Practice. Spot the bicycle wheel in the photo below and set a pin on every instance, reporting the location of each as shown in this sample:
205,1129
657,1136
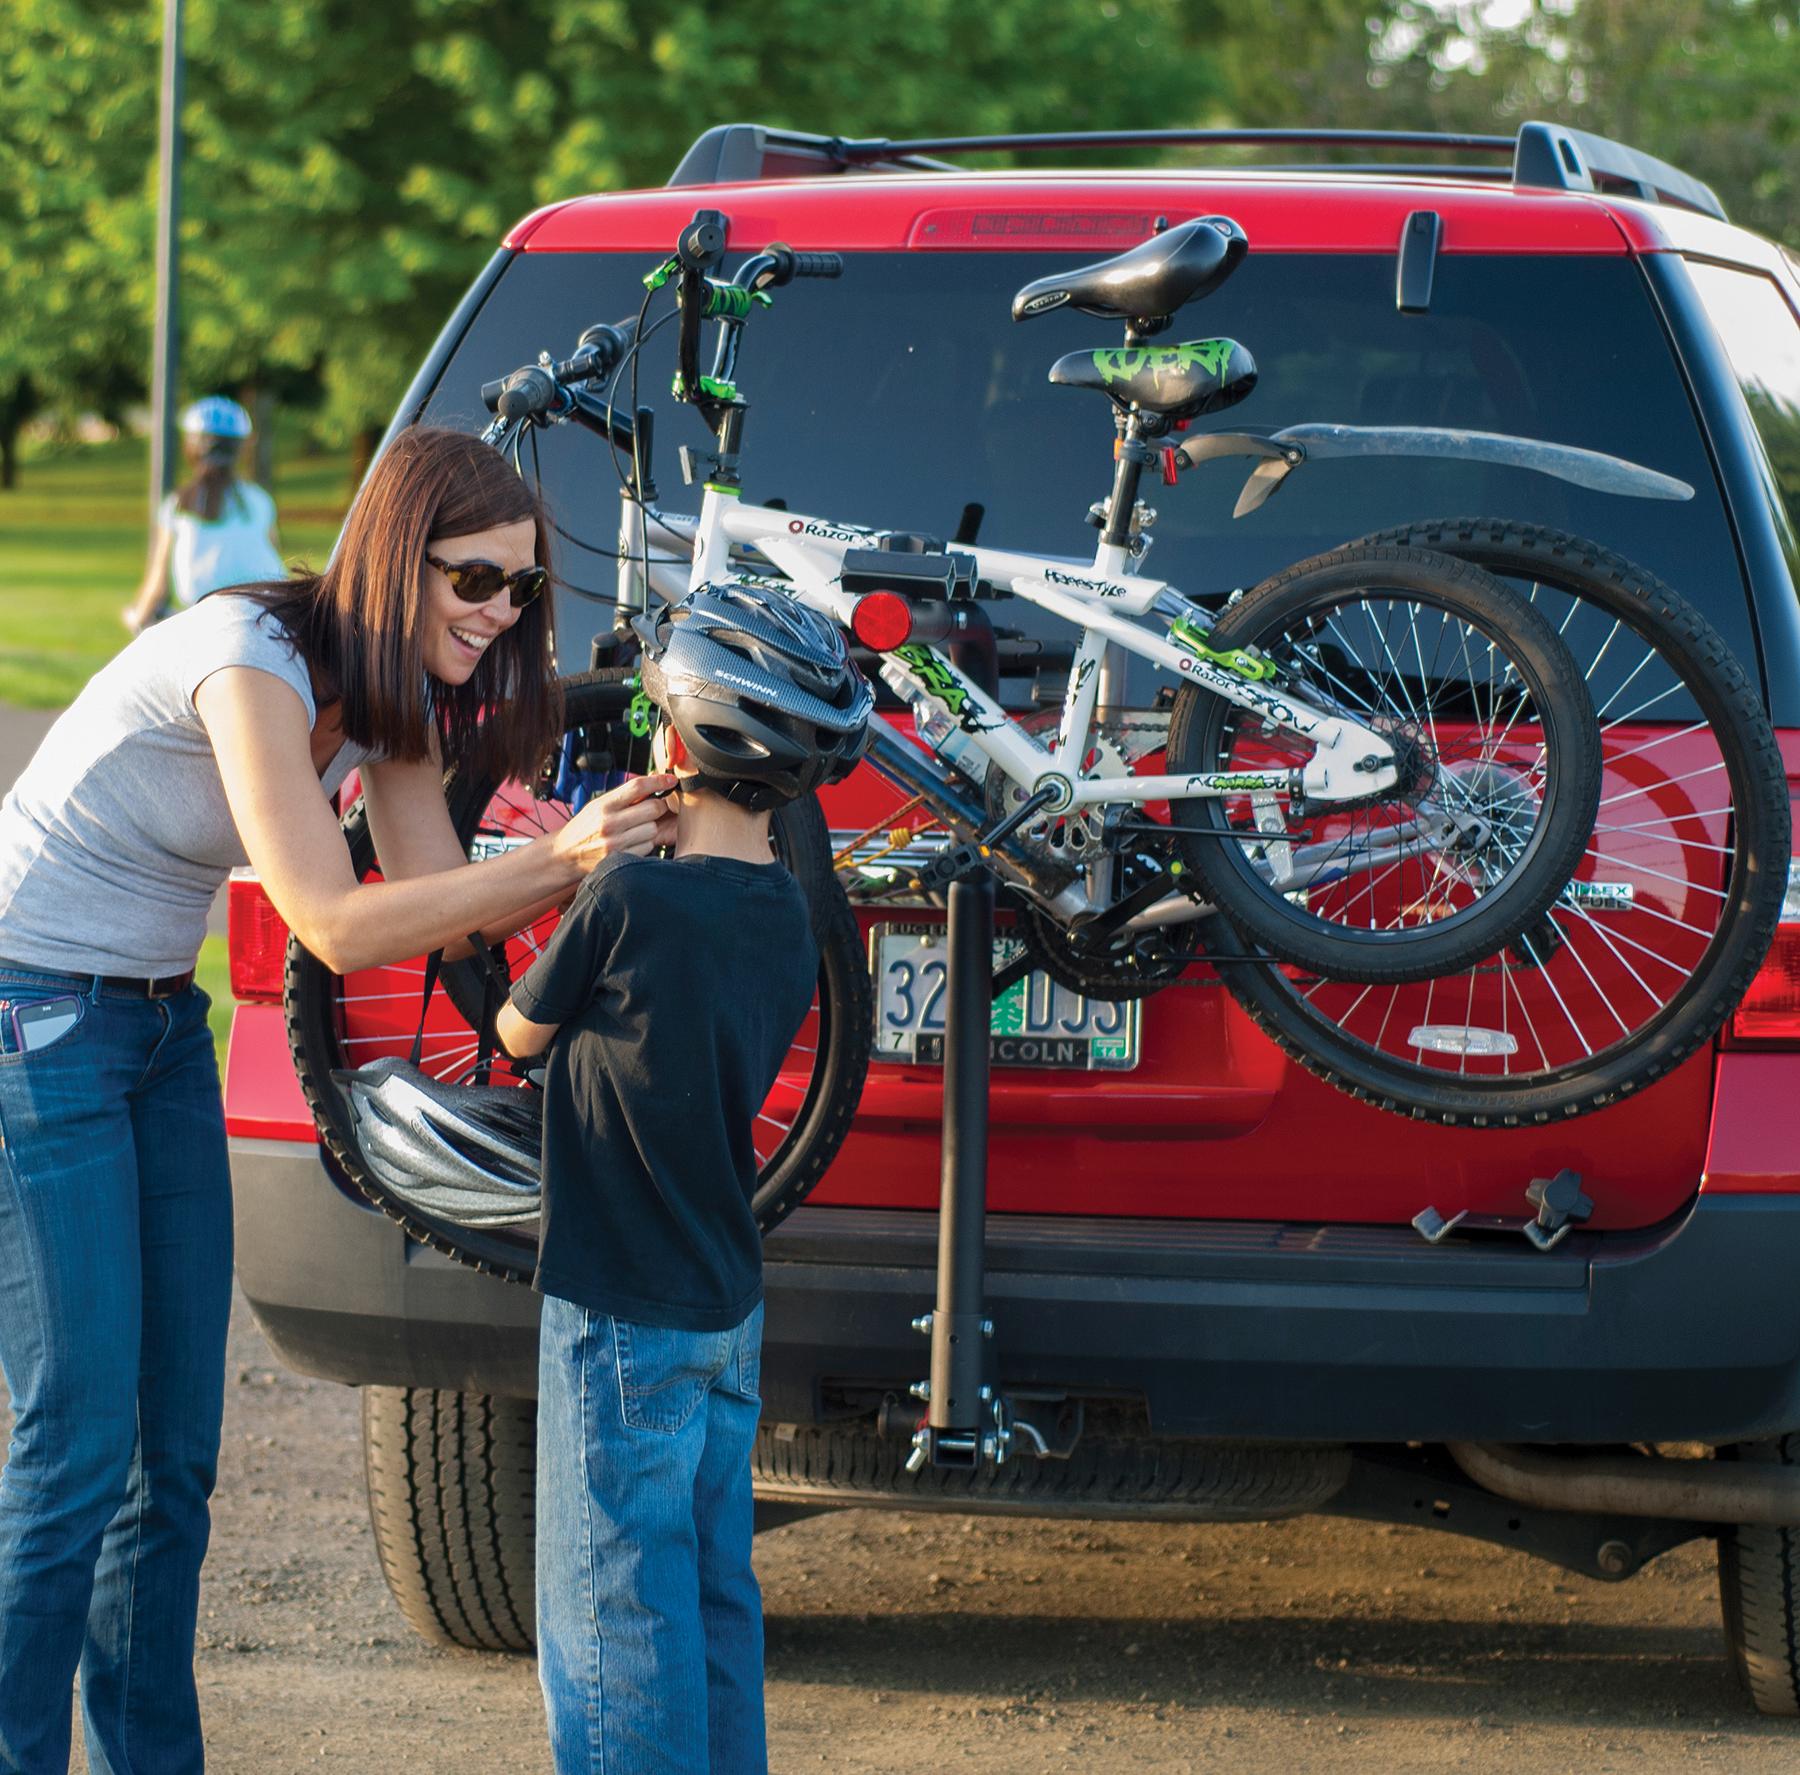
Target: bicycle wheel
1499,762
337,1022
1673,906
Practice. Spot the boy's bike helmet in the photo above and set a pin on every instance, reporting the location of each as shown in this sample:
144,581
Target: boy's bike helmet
762,691
215,417
467,1154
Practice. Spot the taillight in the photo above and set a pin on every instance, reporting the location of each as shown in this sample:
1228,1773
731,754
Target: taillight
1769,1016
258,937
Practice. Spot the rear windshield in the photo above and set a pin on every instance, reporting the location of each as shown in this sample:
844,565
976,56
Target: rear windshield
902,392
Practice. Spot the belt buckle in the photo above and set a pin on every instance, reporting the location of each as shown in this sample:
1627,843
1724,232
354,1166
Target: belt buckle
170,985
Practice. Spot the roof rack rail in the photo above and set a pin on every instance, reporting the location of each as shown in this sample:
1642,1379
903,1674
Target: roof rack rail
1572,160
1544,155
741,153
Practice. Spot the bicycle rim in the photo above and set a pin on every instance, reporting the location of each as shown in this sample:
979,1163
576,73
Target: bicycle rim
1670,911
1492,733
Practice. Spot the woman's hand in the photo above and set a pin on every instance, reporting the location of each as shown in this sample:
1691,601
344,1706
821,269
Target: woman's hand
627,818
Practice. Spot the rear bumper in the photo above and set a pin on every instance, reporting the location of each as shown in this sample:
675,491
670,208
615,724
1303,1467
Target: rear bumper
1687,1332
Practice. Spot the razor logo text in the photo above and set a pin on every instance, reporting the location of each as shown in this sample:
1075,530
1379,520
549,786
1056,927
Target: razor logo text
803,527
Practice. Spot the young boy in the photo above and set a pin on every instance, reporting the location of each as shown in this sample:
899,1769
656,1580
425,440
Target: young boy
668,998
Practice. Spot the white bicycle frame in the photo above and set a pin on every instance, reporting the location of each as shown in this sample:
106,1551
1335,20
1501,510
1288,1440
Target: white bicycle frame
1349,760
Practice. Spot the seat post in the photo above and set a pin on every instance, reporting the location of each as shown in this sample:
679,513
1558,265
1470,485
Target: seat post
1131,456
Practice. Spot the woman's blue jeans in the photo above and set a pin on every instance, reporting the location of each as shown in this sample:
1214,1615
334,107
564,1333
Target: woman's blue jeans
115,1290
650,1637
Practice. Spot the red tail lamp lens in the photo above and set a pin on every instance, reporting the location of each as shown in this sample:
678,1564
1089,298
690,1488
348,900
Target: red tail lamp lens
882,621
1769,1015
257,940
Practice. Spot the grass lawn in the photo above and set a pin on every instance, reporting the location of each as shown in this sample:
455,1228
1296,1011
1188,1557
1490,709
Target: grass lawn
74,534
213,971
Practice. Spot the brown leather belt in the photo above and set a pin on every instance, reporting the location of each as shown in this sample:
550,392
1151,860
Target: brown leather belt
135,984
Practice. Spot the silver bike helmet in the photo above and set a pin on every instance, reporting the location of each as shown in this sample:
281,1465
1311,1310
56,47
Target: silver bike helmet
466,1154
762,690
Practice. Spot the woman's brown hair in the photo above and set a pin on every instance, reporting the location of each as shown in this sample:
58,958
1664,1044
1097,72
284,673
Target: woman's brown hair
358,624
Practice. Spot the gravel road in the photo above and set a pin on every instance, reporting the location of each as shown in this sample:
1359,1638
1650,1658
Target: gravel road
910,1643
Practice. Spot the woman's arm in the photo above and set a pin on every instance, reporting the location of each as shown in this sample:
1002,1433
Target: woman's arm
414,836
155,585
260,739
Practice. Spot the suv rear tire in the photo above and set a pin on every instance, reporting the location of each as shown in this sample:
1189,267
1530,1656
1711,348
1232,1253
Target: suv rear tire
1759,1590
451,1479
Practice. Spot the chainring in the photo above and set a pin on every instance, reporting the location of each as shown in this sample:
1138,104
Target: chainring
1071,841
1124,967
1127,965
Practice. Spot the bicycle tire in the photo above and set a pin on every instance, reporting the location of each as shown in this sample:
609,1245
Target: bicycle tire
1425,913
1747,831
842,1022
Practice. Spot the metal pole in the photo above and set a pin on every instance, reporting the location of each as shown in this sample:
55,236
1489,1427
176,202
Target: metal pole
959,1404
166,345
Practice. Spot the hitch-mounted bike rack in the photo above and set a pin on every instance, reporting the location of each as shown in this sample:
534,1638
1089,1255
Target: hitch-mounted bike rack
968,1422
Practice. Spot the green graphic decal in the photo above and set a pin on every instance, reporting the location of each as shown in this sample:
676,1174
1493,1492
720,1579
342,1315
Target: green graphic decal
935,675
1127,361
1228,783
1241,660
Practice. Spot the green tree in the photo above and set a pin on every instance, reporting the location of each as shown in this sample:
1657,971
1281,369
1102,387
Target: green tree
75,186
1706,84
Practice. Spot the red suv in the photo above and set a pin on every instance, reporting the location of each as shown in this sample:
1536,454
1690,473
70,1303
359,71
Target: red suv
1220,1288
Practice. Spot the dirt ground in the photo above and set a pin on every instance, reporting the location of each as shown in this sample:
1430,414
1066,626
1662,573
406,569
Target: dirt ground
910,1643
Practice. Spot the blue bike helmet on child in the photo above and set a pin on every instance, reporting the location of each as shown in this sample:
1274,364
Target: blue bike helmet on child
762,690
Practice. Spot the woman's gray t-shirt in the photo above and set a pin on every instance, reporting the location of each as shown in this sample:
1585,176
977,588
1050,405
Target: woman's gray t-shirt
117,835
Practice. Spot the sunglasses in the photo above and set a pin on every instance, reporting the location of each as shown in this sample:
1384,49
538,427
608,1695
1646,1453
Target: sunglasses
475,582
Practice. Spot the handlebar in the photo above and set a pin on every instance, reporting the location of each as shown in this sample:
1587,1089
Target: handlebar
548,390
542,388
795,264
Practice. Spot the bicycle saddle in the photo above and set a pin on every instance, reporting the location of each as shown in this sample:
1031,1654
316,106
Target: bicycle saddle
1146,285
1179,381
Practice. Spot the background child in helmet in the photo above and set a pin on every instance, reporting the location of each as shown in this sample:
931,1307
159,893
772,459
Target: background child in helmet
668,997
215,531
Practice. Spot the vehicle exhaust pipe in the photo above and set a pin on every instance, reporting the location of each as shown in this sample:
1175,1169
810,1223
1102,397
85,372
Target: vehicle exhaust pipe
1635,1485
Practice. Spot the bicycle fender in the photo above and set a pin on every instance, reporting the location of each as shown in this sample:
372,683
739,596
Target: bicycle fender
1592,469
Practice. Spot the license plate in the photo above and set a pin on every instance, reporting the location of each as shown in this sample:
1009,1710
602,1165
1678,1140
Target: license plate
1035,1022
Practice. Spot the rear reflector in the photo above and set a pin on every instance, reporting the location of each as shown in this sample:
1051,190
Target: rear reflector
882,621
258,939
1769,1017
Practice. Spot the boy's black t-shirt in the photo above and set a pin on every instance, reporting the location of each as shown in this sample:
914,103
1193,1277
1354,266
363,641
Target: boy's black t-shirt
680,987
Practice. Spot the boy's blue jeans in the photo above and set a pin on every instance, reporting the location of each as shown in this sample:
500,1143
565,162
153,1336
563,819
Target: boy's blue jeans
115,1289
650,1641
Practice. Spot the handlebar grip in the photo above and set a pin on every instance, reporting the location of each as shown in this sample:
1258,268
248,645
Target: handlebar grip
526,393
596,352
818,265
